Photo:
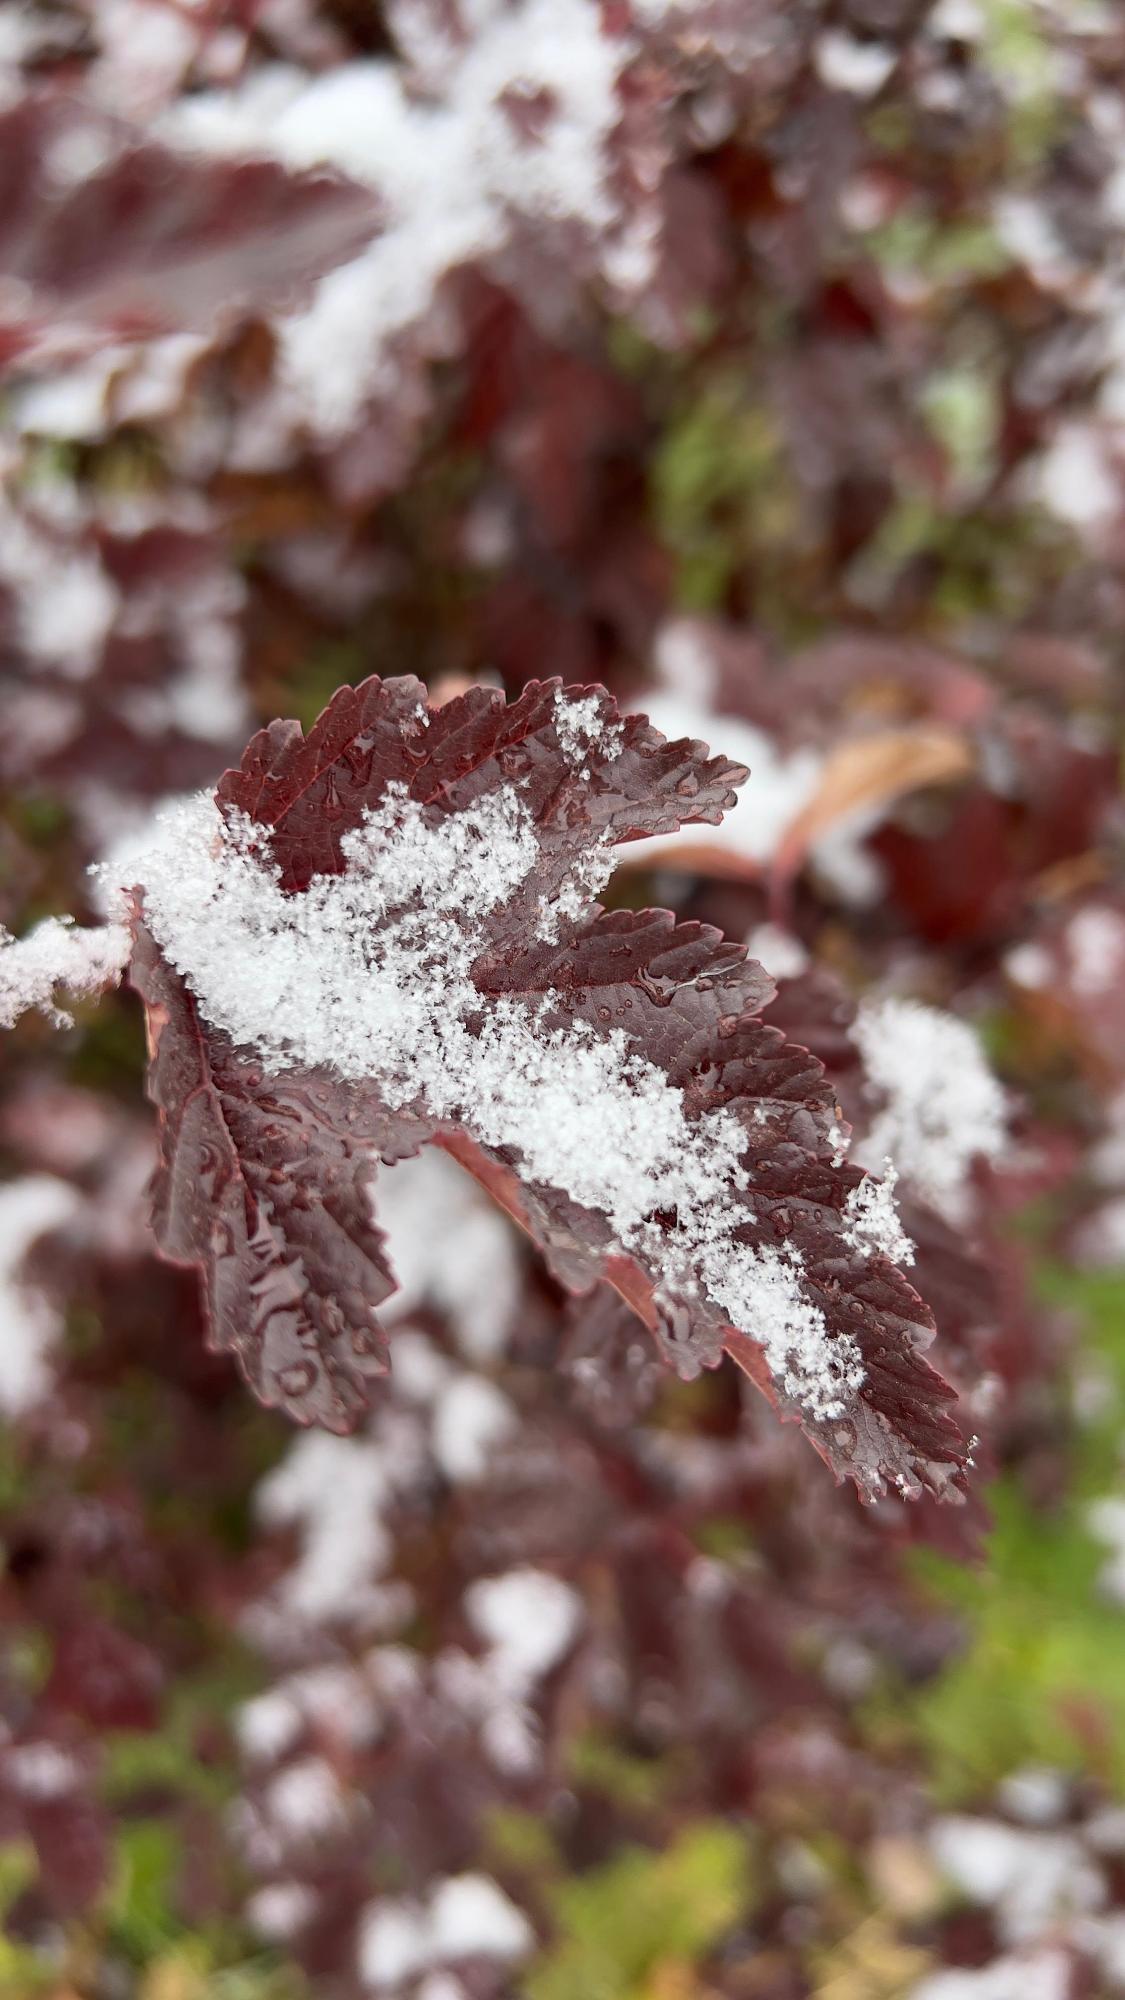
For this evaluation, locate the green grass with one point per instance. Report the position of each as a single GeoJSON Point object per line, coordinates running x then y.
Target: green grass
{"type": "Point", "coordinates": [643, 1912]}
{"type": "Point", "coordinates": [1043, 1676]}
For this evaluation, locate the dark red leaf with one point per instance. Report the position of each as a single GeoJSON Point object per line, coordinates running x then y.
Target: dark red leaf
{"type": "Point", "coordinates": [312, 790]}
{"type": "Point", "coordinates": [102, 1675]}
{"type": "Point", "coordinates": [145, 240]}
{"type": "Point", "coordinates": [262, 1184]}
{"type": "Point", "coordinates": [252, 1164]}
{"type": "Point", "coordinates": [73, 1845]}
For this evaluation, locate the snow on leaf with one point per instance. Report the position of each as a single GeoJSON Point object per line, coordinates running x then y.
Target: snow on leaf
{"type": "Point", "coordinates": [314, 790]}
{"type": "Point", "coordinates": [873, 1218]}
{"type": "Point", "coordinates": [385, 933]}
{"type": "Point", "coordinates": [261, 1183]}
{"type": "Point", "coordinates": [487, 141]}
{"type": "Point", "coordinates": [57, 953]}
{"type": "Point", "coordinates": [102, 231]}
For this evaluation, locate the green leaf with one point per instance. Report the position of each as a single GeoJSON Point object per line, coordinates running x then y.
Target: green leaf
{"type": "Point", "coordinates": [140, 1912]}
{"type": "Point", "coordinates": [620, 1923]}
{"type": "Point", "coordinates": [1040, 1680]}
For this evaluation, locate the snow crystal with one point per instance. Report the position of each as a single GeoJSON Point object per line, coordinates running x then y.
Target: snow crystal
{"type": "Point", "coordinates": [154, 387]}
{"type": "Point", "coordinates": [442, 1986]}
{"type": "Point", "coordinates": [845, 866]}
{"type": "Point", "coordinates": [1105, 1830]}
{"type": "Point", "coordinates": [529, 1620]}
{"type": "Point", "coordinates": [421, 1372]}
{"type": "Point", "coordinates": [268, 1726]}
{"type": "Point", "coordinates": [58, 953]}
{"type": "Point", "coordinates": [1104, 1939]}
{"type": "Point", "coordinates": [581, 727]}
{"type": "Point", "coordinates": [1100, 1240]}
{"type": "Point", "coordinates": [961, 20]}
{"type": "Point", "coordinates": [369, 973]}
{"type": "Point", "coordinates": [71, 403]}
{"type": "Point", "coordinates": [144, 56]}
{"type": "Point", "coordinates": [28, 1323]}
{"type": "Point", "coordinates": [511, 1737]}
{"type": "Point", "coordinates": [863, 203]}
{"type": "Point", "coordinates": [1026, 229]}
{"type": "Point", "coordinates": [468, 1414]}
{"type": "Point", "coordinates": [396, 1671]}
{"type": "Point", "coordinates": [850, 1668]}
{"type": "Point", "coordinates": [1106, 1160]}
{"type": "Point", "coordinates": [942, 1107]}
{"type": "Point", "coordinates": [207, 698]}
{"type": "Point", "coordinates": [873, 1220]}
{"type": "Point", "coordinates": [581, 886]}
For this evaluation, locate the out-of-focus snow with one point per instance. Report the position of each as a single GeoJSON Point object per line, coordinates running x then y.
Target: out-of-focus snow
{"type": "Point", "coordinates": [28, 1322]}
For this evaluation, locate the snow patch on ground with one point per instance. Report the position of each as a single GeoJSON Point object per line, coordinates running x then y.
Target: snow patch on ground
{"type": "Point", "coordinates": [335, 1701]}
{"type": "Point", "coordinates": [845, 63]}
{"type": "Point", "coordinates": [306, 1800]}
{"type": "Point", "coordinates": [450, 1248]}
{"type": "Point", "coordinates": [40, 1770]}
{"type": "Point", "coordinates": [1039, 1976]}
{"type": "Point", "coordinates": [939, 1107]}
{"type": "Point", "coordinates": [29, 1324]}
{"type": "Point", "coordinates": [529, 1620]}
{"type": "Point", "coordinates": [65, 604]}
{"type": "Point", "coordinates": [1105, 1519]}
{"type": "Point", "coordinates": [1095, 947]}
{"type": "Point", "coordinates": [280, 1910]}
{"type": "Point", "coordinates": [781, 952]}
{"type": "Point", "coordinates": [471, 1418]}
{"type": "Point", "coordinates": [464, 1916]}
{"type": "Point", "coordinates": [1075, 479]}
{"type": "Point", "coordinates": [333, 1491]}
{"type": "Point", "coordinates": [1030, 1880]}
